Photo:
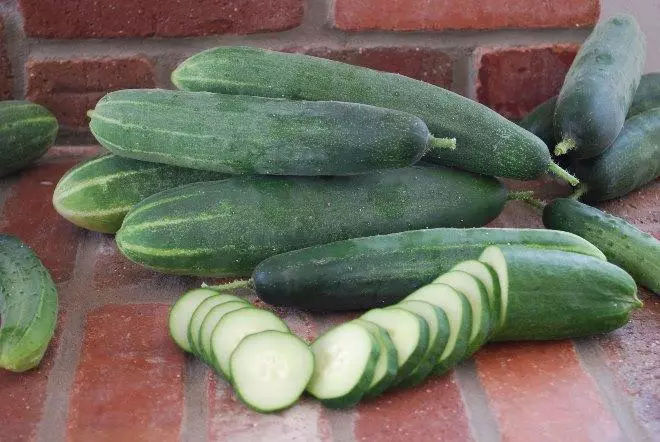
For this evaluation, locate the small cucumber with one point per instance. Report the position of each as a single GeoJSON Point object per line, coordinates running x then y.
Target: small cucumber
{"type": "Point", "coordinates": [28, 306]}
{"type": "Point", "coordinates": [387, 365]}
{"type": "Point", "coordinates": [647, 96]}
{"type": "Point", "coordinates": [599, 88]}
{"type": "Point", "coordinates": [624, 245]}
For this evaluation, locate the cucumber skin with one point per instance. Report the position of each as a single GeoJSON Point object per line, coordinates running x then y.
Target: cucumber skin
{"type": "Point", "coordinates": [256, 135]}
{"type": "Point", "coordinates": [228, 227]}
{"type": "Point", "coordinates": [552, 295]}
{"type": "Point", "coordinates": [600, 85]}
{"type": "Point", "coordinates": [20, 142]}
{"type": "Point", "coordinates": [624, 245]}
{"type": "Point", "coordinates": [631, 162]}
{"type": "Point", "coordinates": [380, 270]}
{"type": "Point", "coordinates": [111, 185]}
{"type": "Point", "coordinates": [28, 306]}
{"type": "Point", "coordinates": [514, 153]}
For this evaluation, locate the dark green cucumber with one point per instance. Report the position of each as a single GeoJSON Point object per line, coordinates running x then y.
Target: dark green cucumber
{"type": "Point", "coordinates": [27, 130]}
{"type": "Point", "coordinates": [632, 161]}
{"type": "Point", "coordinates": [256, 135]}
{"type": "Point", "coordinates": [225, 228]}
{"type": "Point", "coordinates": [624, 245]}
{"type": "Point", "coordinates": [98, 193]}
{"type": "Point", "coordinates": [599, 88]}
{"type": "Point", "coordinates": [487, 143]}
{"type": "Point", "coordinates": [380, 270]}
{"type": "Point", "coordinates": [553, 294]}
{"type": "Point", "coordinates": [28, 306]}
{"type": "Point", "coordinates": [647, 96]}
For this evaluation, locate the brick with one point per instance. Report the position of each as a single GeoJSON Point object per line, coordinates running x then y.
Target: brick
{"type": "Point", "coordinates": [69, 88]}
{"type": "Point", "coordinates": [152, 18]}
{"type": "Point", "coordinates": [23, 394]}
{"type": "Point", "coordinates": [5, 67]}
{"type": "Point", "coordinates": [429, 65]}
{"type": "Point", "coordinates": [538, 391]}
{"type": "Point", "coordinates": [230, 420]}
{"type": "Point", "coordinates": [513, 81]}
{"type": "Point", "coordinates": [632, 355]}
{"type": "Point", "coordinates": [411, 15]}
{"type": "Point", "coordinates": [432, 411]}
{"type": "Point", "coordinates": [129, 380]}
{"type": "Point", "coordinates": [28, 213]}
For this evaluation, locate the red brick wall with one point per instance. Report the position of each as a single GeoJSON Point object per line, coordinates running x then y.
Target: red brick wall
{"type": "Point", "coordinates": [510, 55]}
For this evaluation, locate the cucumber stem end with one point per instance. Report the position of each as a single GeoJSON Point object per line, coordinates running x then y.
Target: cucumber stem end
{"type": "Point", "coordinates": [555, 169]}
{"type": "Point", "coordinates": [442, 143]}
{"type": "Point", "coordinates": [564, 146]}
{"type": "Point", "coordinates": [238, 284]}
{"type": "Point", "coordinates": [526, 196]}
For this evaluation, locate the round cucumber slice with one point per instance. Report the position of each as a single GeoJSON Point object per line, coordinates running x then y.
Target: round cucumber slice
{"type": "Point", "coordinates": [181, 313]}
{"type": "Point", "coordinates": [387, 365]}
{"type": "Point", "coordinates": [210, 322]}
{"type": "Point", "coordinates": [488, 277]}
{"type": "Point", "coordinates": [494, 257]}
{"type": "Point", "coordinates": [198, 317]}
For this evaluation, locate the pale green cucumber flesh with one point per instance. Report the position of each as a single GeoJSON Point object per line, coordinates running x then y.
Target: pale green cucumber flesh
{"type": "Point", "coordinates": [195, 325]}
{"type": "Point", "coordinates": [210, 322]}
{"type": "Point", "coordinates": [488, 277]}
{"type": "Point", "coordinates": [387, 365]}
{"type": "Point", "coordinates": [181, 313]}
{"type": "Point", "coordinates": [492, 256]}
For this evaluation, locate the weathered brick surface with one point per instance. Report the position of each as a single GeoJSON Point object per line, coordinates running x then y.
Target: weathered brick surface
{"type": "Point", "coordinates": [431, 411]}
{"type": "Point", "coordinates": [426, 64]}
{"type": "Point", "coordinates": [513, 81]}
{"type": "Point", "coordinates": [129, 380]}
{"type": "Point", "coordinates": [5, 67]}
{"type": "Point", "coordinates": [69, 88]}
{"type": "Point", "coordinates": [539, 391]}
{"type": "Point", "coordinates": [410, 15]}
{"type": "Point", "coordinates": [164, 18]}
{"type": "Point", "coordinates": [23, 394]}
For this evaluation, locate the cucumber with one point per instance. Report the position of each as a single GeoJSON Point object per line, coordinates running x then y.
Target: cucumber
{"type": "Point", "coordinates": [98, 193]}
{"type": "Point", "coordinates": [198, 316]}
{"type": "Point", "coordinates": [459, 315]}
{"type": "Point", "coordinates": [552, 294]}
{"type": "Point", "coordinates": [209, 323]}
{"type": "Point", "coordinates": [225, 228]}
{"type": "Point", "coordinates": [487, 143]}
{"type": "Point", "coordinates": [409, 333]}
{"type": "Point", "coordinates": [647, 96]}
{"type": "Point", "coordinates": [599, 88]}
{"type": "Point", "coordinates": [487, 276]}
{"type": "Point", "coordinates": [28, 306]}
{"type": "Point", "coordinates": [255, 135]}
{"type": "Point", "coordinates": [380, 270]}
{"type": "Point", "coordinates": [236, 325]}
{"type": "Point", "coordinates": [271, 370]}
{"type": "Point", "coordinates": [345, 359]}
{"type": "Point", "coordinates": [387, 364]}
{"type": "Point", "coordinates": [181, 314]}
{"type": "Point", "coordinates": [624, 245]}
{"type": "Point", "coordinates": [631, 162]}
{"type": "Point", "coordinates": [27, 130]}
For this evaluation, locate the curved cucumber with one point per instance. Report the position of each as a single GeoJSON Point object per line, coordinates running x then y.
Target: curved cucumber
{"type": "Point", "coordinates": [623, 244]}
{"type": "Point", "coordinates": [599, 88]}
{"type": "Point", "coordinates": [255, 135]}
{"type": "Point", "coordinates": [225, 228]}
{"type": "Point", "coordinates": [27, 130]}
{"type": "Point", "coordinates": [98, 193]}
{"type": "Point", "coordinates": [380, 270]}
{"type": "Point", "coordinates": [28, 306]}
{"type": "Point", "coordinates": [512, 152]}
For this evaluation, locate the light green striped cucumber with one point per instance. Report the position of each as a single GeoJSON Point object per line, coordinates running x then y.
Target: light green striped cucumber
{"type": "Point", "coordinates": [27, 130]}
{"type": "Point", "coordinates": [98, 193]}
{"type": "Point", "coordinates": [487, 143]}
{"type": "Point", "coordinates": [28, 306]}
{"type": "Point", "coordinates": [256, 135]}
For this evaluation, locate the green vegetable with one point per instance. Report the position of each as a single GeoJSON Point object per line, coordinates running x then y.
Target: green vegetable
{"type": "Point", "coordinates": [27, 130]}
{"type": "Point", "coordinates": [256, 135]}
{"type": "Point", "coordinates": [225, 228]}
{"type": "Point", "coordinates": [28, 306]}
{"type": "Point", "coordinates": [647, 95]}
{"type": "Point", "coordinates": [387, 364]}
{"type": "Point", "coordinates": [98, 193]}
{"type": "Point", "coordinates": [380, 270]}
{"type": "Point", "coordinates": [487, 143]}
{"type": "Point", "coordinates": [623, 244]}
{"type": "Point", "coordinates": [599, 88]}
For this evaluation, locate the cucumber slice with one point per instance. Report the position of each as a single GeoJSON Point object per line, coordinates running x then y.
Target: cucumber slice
{"type": "Point", "coordinates": [488, 277]}
{"type": "Point", "coordinates": [409, 333]}
{"type": "Point", "coordinates": [210, 322]}
{"type": "Point", "coordinates": [459, 315]}
{"type": "Point", "coordinates": [345, 360]}
{"type": "Point", "coordinates": [387, 365]}
{"type": "Point", "coordinates": [198, 317]}
{"type": "Point", "coordinates": [271, 370]}
{"type": "Point", "coordinates": [438, 324]}
{"type": "Point", "coordinates": [236, 325]}
{"type": "Point", "coordinates": [476, 294]}
{"type": "Point", "coordinates": [181, 313]}
{"type": "Point", "coordinates": [494, 257]}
